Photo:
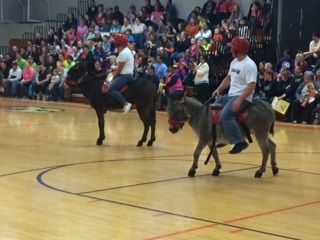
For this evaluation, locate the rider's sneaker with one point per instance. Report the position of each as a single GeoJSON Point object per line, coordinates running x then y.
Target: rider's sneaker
{"type": "Point", "coordinates": [127, 108]}
{"type": "Point", "coordinates": [239, 147]}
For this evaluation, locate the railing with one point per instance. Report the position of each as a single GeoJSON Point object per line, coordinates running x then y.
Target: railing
{"type": "Point", "coordinates": [42, 30]}
{"type": "Point", "coordinates": [61, 18]}
{"type": "Point", "coordinates": [4, 50]}
{"type": "Point", "coordinates": [51, 24]}
{"type": "Point", "coordinates": [20, 43]}
{"type": "Point", "coordinates": [74, 11]}
{"type": "Point", "coordinates": [27, 36]}
{"type": "Point", "coordinates": [83, 6]}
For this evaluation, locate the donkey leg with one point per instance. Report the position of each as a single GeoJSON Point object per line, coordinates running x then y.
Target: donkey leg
{"type": "Point", "coordinates": [145, 120]}
{"type": "Point", "coordinates": [100, 116]}
{"type": "Point", "coordinates": [145, 133]}
{"type": "Point", "coordinates": [196, 155]}
{"type": "Point", "coordinates": [153, 126]}
{"type": "Point", "coordinates": [263, 141]}
{"type": "Point", "coordinates": [216, 170]}
{"type": "Point", "coordinates": [272, 149]}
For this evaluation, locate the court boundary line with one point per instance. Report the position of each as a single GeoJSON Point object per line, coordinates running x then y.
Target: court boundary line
{"type": "Point", "coordinates": [162, 158]}
{"type": "Point", "coordinates": [154, 158]}
{"type": "Point", "coordinates": [40, 181]}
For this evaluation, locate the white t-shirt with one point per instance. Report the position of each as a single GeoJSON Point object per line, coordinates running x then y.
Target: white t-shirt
{"type": "Point", "coordinates": [242, 73]}
{"type": "Point", "coordinates": [15, 75]}
{"type": "Point", "coordinates": [126, 56]}
{"type": "Point", "coordinates": [314, 47]}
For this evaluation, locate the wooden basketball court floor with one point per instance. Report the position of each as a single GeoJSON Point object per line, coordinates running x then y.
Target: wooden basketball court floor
{"type": "Point", "coordinates": [55, 183]}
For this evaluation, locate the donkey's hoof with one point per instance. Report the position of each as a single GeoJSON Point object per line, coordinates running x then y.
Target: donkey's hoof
{"type": "Point", "coordinates": [192, 173]}
{"type": "Point", "coordinates": [216, 172]}
{"type": "Point", "coordinates": [258, 174]}
{"type": "Point", "coordinates": [275, 171]}
{"type": "Point", "coordinates": [99, 141]}
{"type": "Point", "coordinates": [140, 143]}
{"type": "Point", "coordinates": [150, 143]}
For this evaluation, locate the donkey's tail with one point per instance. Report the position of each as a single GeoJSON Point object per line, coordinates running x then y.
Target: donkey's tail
{"type": "Point", "coordinates": [271, 131]}
{"type": "Point", "coordinates": [209, 155]}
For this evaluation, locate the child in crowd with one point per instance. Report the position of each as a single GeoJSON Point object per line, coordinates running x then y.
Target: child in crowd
{"type": "Point", "coordinates": [53, 89]}
{"type": "Point", "coordinates": [309, 94]}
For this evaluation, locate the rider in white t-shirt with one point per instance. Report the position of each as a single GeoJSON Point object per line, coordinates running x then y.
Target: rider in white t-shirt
{"type": "Point", "coordinates": [241, 79]}
{"type": "Point", "coordinates": [123, 74]}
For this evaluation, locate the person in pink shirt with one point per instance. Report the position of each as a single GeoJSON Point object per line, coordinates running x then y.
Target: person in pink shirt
{"type": "Point", "coordinates": [71, 35]}
{"type": "Point", "coordinates": [156, 15]}
{"type": "Point", "coordinates": [24, 87]}
{"type": "Point", "coordinates": [82, 30]}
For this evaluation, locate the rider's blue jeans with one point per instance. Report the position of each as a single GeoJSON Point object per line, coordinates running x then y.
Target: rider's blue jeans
{"type": "Point", "coordinates": [230, 126]}
{"type": "Point", "coordinates": [116, 85]}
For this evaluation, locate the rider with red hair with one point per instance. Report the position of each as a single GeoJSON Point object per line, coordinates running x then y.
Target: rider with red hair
{"type": "Point", "coordinates": [123, 74]}
{"type": "Point", "coordinates": [241, 79]}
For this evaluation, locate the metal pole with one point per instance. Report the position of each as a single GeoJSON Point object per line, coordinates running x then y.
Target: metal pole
{"type": "Point", "coordinates": [28, 11]}
{"type": "Point", "coordinates": [279, 24]}
{"type": "Point", "coordinates": [1, 8]}
{"type": "Point", "coordinates": [49, 10]}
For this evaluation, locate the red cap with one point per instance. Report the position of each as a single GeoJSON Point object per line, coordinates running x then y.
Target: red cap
{"type": "Point", "coordinates": [239, 45]}
{"type": "Point", "coordinates": [120, 40]}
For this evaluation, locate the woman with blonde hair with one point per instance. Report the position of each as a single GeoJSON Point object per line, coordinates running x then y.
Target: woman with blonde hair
{"type": "Point", "coordinates": [201, 80]}
{"type": "Point", "coordinates": [204, 32]}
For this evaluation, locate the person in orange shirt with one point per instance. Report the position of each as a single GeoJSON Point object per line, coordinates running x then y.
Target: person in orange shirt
{"type": "Point", "coordinates": [193, 27]}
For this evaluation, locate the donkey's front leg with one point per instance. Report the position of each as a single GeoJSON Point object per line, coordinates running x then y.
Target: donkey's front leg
{"type": "Point", "coordinates": [196, 155]}
{"type": "Point", "coordinates": [100, 116]}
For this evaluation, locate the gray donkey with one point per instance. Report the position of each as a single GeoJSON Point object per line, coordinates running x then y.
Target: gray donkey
{"type": "Point", "coordinates": [260, 121]}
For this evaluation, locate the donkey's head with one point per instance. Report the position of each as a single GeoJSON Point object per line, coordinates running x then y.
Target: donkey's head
{"type": "Point", "coordinates": [177, 114]}
{"type": "Point", "coordinates": [76, 74]}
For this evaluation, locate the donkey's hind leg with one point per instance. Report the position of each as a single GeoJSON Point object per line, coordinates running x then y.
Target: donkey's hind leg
{"type": "Point", "coordinates": [263, 141]}
{"type": "Point", "coordinates": [216, 170]}
{"type": "Point", "coordinates": [100, 117]}
{"type": "Point", "coordinates": [272, 149]}
{"type": "Point", "coordinates": [152, 122]}
{"type": "Point", "coordinates": [196, 155]}
{"type": "Point", "coordinates": [145, 119]}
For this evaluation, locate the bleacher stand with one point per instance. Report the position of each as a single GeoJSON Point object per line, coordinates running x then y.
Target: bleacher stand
{"type": "Point", "coordinates": [156, 31]}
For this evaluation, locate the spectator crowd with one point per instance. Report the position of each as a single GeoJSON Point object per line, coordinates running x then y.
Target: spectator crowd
{"type": "Point", "coordinates": [167, 49]}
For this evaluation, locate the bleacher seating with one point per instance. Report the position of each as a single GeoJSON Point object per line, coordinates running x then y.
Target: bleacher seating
{"type": "Point", "coordinates": [42, 30]}
{"type": "Point", "coordinates": [262, 46]}
{"type": "Point", "coordinates": [27, 36]}
{"type": "Point", "coordinates": [4, 50]}
{"type": "Point", "coordinates": [74, 11]}
{"type": "Point", "coordinates": [20, 43]}
{"type": "Point", "coordinates": [83, 6]}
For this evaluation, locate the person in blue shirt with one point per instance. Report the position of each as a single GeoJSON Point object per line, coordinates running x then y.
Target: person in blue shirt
{"type": "Point", "coordinates": [286, 61]}
{"type": "Point", "coordinates": [160, 68]}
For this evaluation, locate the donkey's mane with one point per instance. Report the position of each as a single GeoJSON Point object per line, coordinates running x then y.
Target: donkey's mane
{"type": "Point", "coordinates": [192, 105]}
